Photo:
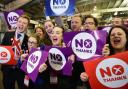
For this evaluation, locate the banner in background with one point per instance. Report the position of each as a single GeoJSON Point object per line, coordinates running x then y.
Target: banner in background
{"type": "Point", "coordinates": [108, 73]}
{"type": "Point", "coordinates": [86, 44]}
{"type": "Point", "coordinates": [12, 17]}
{"type": "Point", "coordinates": [7, 55]}
{"type": "Point", "coordinates": [32, 63]}
{"type": "Point", "coordinates": [59, 7]}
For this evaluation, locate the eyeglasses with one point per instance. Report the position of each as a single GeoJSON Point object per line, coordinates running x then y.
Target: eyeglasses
{"type": "Point", "coordinates": [30, 42]}
{"type": "Point", "coordinates": [90, 23]}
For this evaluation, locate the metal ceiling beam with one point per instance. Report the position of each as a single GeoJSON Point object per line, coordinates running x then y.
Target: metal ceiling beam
{"type": "Point", "coordinates": [105, 10]}
{"type": "Point", "coordinates": [124, 3]}
{"type": "Point", "coordinates": [121, 2]}
{"type": "Point", "coordinates": [82, 1]}
{"type": "Point", "coordinates": [117, 4]}
{"type": "Point", "coordinates": [127, 5]}
{"type": "Point", "coordinates": [90, 2]}
{"type": "Point", "coordinates": [111, 3]}
{"type": "Point", "coordinates": [16, 4]}
{"type": "Point", "coordinates": [114, 9]}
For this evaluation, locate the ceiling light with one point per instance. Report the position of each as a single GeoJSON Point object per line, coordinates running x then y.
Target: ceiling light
{"type": "Point", "coordinates": [95, 8]}
{"type": "Point", "coordinates": [116, 13]}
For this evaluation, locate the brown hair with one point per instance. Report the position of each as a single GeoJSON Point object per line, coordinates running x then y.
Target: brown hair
{"type": "Point", "coordinates": [90, 16]}
{"type": "Point", "coordinates": [26, 17]}
{"type": "Point", "coordinates": [40, 28]}
{"type": "Point", "coordinates": [78, 17]}
{"type": "Point", "coordinates": [108, 38]}
{"type": "Point", "coordinates": [49, 21]}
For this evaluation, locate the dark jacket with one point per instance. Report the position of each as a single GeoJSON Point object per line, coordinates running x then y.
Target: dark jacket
{"type": "Point", "coordinates": [8, 42]}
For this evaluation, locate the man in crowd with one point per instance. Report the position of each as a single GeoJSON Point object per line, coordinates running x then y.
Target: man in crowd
{"type": "Point", "coordinates": [76, 23]}
{"type": "Point", "coordinates": [117, 21]}
{"type": "Point", "coordinates": [90, 23]}
{"type": "Point", "coordinates": [11, 73]}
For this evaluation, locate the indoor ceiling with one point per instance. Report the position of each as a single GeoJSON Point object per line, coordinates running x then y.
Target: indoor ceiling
{"type": "Point", "coordinates": [101, 6]}
{"type": "Point", "coordinates": [35, 8]}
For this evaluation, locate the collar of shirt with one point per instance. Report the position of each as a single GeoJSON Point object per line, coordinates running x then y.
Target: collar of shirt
{"type": "Point", "coordinates": [21, 37]}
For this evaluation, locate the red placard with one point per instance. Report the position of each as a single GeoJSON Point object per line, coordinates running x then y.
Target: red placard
{"type": "Point", "coordinates": [109, 72]}
{"type": "Point", "coordinates": [7, 55]}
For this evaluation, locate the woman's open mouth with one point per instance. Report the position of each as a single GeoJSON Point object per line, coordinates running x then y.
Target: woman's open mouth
{"type": "Point", "coordinates": [55, 39]}
{"type": "Point", "coordinates": [117, 41]}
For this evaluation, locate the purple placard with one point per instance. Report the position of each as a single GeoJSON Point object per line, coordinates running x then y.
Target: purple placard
{"type": "Point", "coordinates": [60, 56]}
{"type": "Point", "coordinates": [87, 44]}
{"type": "Point", "coordinates": [31, 64]}
{"type": "Point", "coordinates": [12, 18]}
{"type": "Point", "coordinates": [105, 28]}
{"type": "Point", "coordinates": [67, 70]}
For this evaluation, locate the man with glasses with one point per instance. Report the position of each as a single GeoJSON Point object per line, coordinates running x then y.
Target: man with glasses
{"type": "Point", "coordinates": [90, 23]}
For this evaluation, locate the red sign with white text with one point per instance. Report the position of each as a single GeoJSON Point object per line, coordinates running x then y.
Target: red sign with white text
{"type": "Point", "coordinates": [7, 55]}
{"type": "Point", "coordinates": [108, 72]}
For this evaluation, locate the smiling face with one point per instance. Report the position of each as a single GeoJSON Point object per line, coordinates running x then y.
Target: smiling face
{"type": "Point", "coordinates": [48, 27]}
{"type": "Point", "coordinates": [56, 36]}
{"type": "Point", "coordinates": [32, 43]}
{"type": "Point", "coordinates": [40, 32]}
{"type": "Point", "coordinates": [22, 25]}
{"type": "Point", "coordinates": [118, 39]}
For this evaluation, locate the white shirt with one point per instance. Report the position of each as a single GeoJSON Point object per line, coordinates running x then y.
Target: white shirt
{"type": "Point", "coordinates": [21, 37]}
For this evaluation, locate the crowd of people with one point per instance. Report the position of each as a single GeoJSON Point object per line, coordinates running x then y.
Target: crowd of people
{"type": "Point", "coordinates": [52, 35]}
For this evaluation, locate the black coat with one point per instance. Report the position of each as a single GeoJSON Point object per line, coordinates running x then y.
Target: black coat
{"type": "Point", "coordinates": [7, 40]}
